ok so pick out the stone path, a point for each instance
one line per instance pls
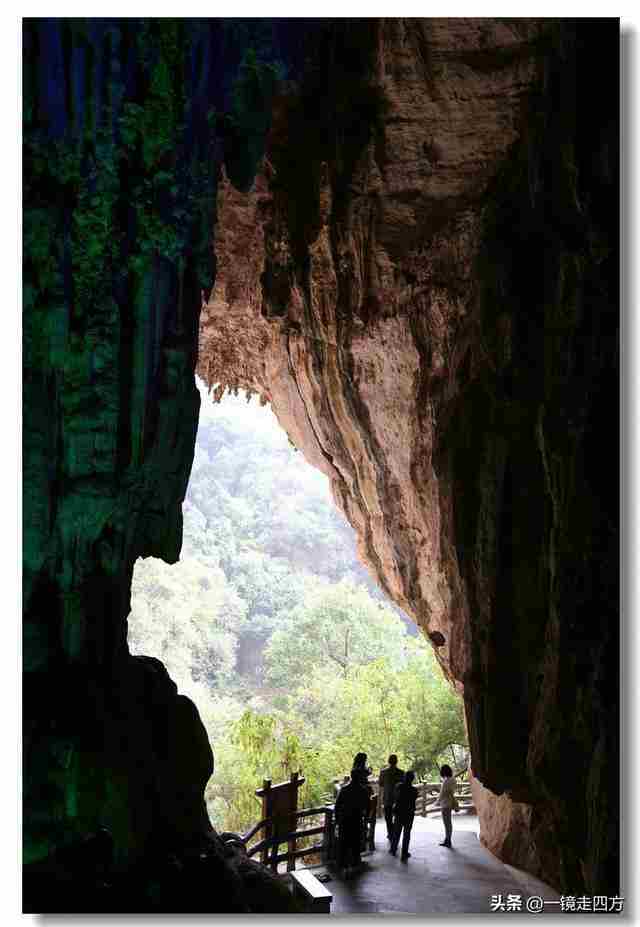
(434, 880)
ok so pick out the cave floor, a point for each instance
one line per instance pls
(435, 880)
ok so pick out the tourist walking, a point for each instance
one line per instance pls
(447, 802)
(389, 777)
(404, 809)
(350, 811)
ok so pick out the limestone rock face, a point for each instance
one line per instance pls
(422, 283)
(422, 280)
(119, 189)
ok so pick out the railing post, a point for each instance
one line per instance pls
(327, 837)
(274, 857)
(371, 822)
(268, 828)
(279, 807)
(379, 796)
(291, 846)
(423, 788)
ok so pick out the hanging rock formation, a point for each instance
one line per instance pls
(422, 281)
(119, 190)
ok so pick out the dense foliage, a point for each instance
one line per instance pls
(275, 630)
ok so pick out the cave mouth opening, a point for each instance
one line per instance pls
(268, 622)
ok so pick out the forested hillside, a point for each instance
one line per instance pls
(270, 624)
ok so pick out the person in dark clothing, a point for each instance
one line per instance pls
(404, 809)
(389, 777)
(350, 810)
(360, 762)
(363, 771)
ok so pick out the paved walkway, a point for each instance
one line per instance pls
(434, 880)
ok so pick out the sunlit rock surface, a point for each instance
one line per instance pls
(422, 281)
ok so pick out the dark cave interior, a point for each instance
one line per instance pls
(425, 257)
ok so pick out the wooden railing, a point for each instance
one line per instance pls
(268, 846)
(428, 797)
(427, 794)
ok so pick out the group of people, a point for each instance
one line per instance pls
(398, 795)
(399, 802)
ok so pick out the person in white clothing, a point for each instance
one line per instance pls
(447, 802)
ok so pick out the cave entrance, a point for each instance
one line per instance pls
(270, 624)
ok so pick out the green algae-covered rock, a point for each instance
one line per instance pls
(119, 197)
(120, 166)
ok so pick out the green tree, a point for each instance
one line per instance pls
(186, 616)
(375, 710)
(436, 710)
(271, 626)
(339, 625)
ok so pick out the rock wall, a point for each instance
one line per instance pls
(110, 416)
(422, 281)
(120, 166)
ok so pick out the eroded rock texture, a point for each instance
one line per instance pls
(422, 282)
(110, 414)
(119, 191)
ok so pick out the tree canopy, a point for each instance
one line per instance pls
(271, 625)
(338, 625)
